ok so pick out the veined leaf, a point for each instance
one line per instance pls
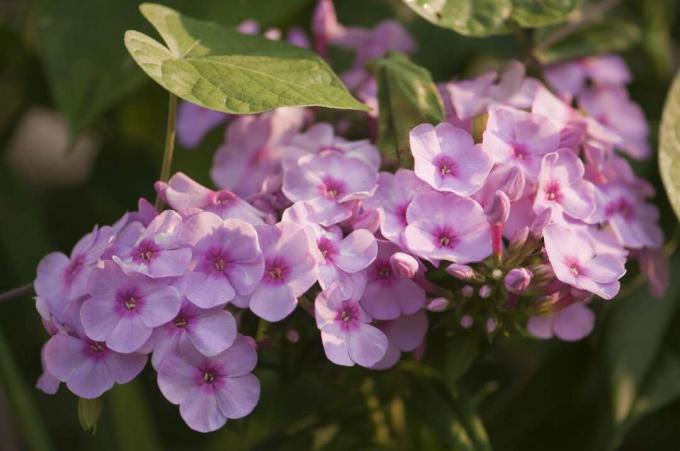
(669, 146)
(407, 96)
(540, 13)
(224, 70)
(467, 17)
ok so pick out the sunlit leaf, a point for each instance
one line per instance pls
(669, 146)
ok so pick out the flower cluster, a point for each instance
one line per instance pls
(518, 210)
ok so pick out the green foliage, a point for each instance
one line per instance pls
(606, 36)
(461, 352)
(224, 70)
(407, 96)
(669, 146)
(89, 411)
(133, 424)
(488, 17)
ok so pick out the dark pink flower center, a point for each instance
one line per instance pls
(276, 271)
(223, 198)
(180, 322)
(401, 212)
(216, 260)
(445, 166)
(382, 271)
(348, 315)
(332, 188)
(520, 151)
(575, 267)
(445, 237)
(129, 301)
(621, 207)
(553, 191)
(145, 252)
(327, 249)
(96, 350)
(210, 376)
(262, 154)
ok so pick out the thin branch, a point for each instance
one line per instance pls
(166, 166)
(18, 292)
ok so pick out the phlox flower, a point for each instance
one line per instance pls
(447, 158)
(405, 334)
(573, 77)
(124, 308)
(572, 323)
(346, 334)
(227, 259)
(194, 122)
(572, 252)
(447, 227)
(211, 390)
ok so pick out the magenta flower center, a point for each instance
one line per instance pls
(621, 207)
(348, 315)
(552, 191)
(216, 260)
(180, 322)
(145, 251)
(327, 249)
(276, 271)
(445, 166)
(129, 300)
(332, 188)
(575, 267)
(445, 237)
(222, 198)
(520, 152)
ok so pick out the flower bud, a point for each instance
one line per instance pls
(325, 25)
(438, 304)
(404, 265)
(485, 291)
(540, 222)
(513, 184)
(466, 322)
(518, 280)
(467, 291)
(498, 209)
(462, 272)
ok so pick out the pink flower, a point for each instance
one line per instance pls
(89, 368)
(158, 251)
(518, 138)
(210, 390)
(448, 159)
(344, 259)
(447, 227)
(573, 77)
(388, 295)
(346, 334)
(574, 258)
(561, 187)
(194, 122)
(327, 182)
(571, 323)
(517, 280)
(634, 222)
(124, 309)
(392, 198)
(61, 278)
(185, 195)
(405, 334)
(289, 270)
(209, 331)
(227, 259)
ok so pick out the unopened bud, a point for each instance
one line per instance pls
(404, 265)
(466, 322)
(498, 209)
(467, 291)
(485, 291)
(513, 184)
(540, 222)
(518, 280)
(438, 304)
(463, 272)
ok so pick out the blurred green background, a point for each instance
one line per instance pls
(63, 67)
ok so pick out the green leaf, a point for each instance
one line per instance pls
(86, 67)
(407, 96)
(89, 411)
(540, 13)
(640, 366)
(132, 421)
(607, 36)
(467, 17)
(669, 146)
(224, 70)
(461, 353)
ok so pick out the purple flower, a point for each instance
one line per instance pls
(447, 227)
(185, 195)
(392, 198)
(405, 334)
(571, 323)
(89, 368)
(209, 331)
(345, 333)
(289, 270)
(344, 259)
(633, 221)
(519, 138)
(388, 295)
(227, 259)
(574, 76)
(517, 280)
(194, 122)
(574, 258)
(447, 158)
(158, 251)
(561, 187)
(210, 390)
(325, 26)
(61, 278)
(327, 182)
(124, 309)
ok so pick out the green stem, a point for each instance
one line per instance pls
(166, 166)
(27, 415)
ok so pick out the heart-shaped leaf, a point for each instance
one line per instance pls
(221, 69)
(467, 17)
(540, 13)
(669, 146)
